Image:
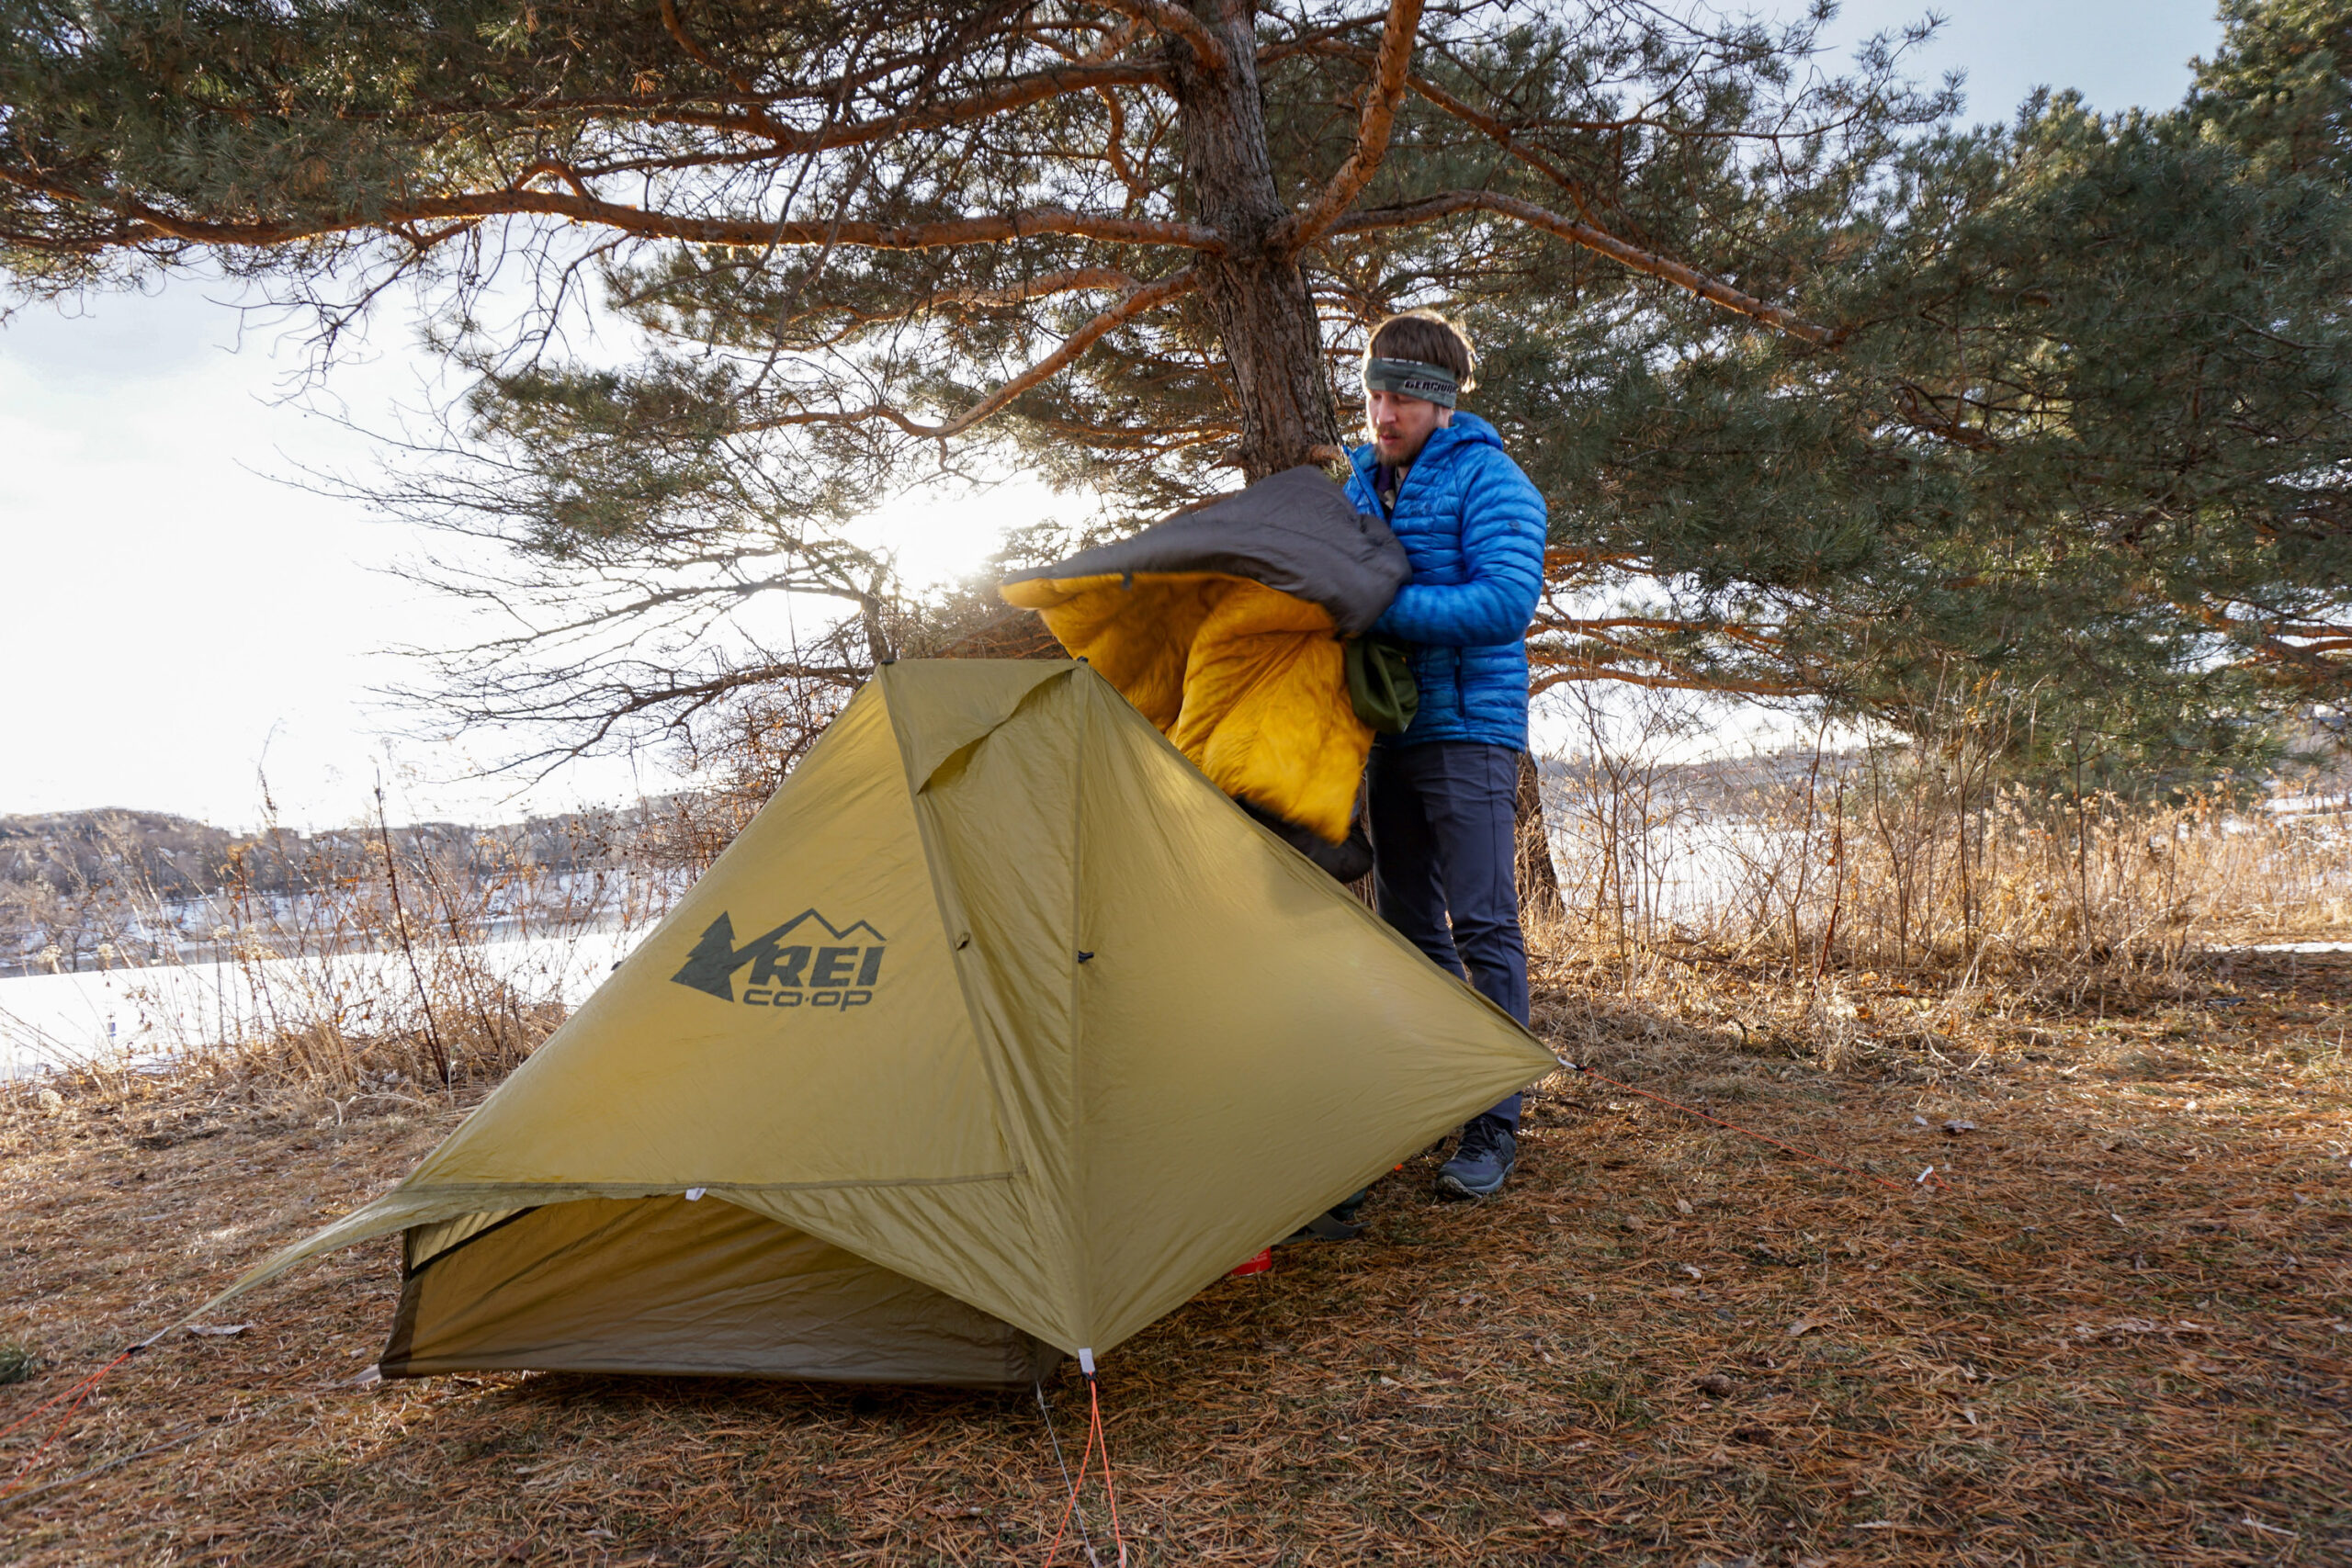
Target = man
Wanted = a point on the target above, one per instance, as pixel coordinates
(1440, 810)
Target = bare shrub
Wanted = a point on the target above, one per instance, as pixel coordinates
(379, 966)
(1702, 885)
(1881, 854)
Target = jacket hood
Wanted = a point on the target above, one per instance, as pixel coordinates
(1467, 429)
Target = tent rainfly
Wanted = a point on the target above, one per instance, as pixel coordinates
(999, 1033)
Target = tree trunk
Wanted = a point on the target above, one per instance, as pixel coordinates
(1259, 299)
(1538, 879)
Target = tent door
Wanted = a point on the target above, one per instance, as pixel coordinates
(663, 1285)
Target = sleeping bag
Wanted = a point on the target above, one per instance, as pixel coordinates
(1228, 626)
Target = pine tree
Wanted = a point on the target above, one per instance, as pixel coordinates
(1832, 403)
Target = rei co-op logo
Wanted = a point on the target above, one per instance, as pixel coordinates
(786, 973)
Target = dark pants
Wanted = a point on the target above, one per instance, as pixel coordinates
(1444, 843)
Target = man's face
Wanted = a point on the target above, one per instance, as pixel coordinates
(1400, 425)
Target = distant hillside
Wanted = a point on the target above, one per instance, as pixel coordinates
(177, 857)
(149, 854)
(1717, 784)
(114, 885)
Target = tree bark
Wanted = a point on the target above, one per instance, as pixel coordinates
(1538, 879)
(1255, 292)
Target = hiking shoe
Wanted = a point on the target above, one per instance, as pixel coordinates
(1335, 1224)
(1482, 1162)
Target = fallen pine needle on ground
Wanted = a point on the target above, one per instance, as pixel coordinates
(2113, 1326)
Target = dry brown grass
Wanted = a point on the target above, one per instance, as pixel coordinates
(1920, 859)
(379, 962)
(2115, 1332)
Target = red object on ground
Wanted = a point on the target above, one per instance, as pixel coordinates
(1261, 1264)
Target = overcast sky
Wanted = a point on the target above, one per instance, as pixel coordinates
(179, 622)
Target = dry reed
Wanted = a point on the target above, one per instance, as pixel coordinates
(2110, 1327)
(1917, 862)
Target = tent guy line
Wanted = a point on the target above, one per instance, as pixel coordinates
(1045, 1412)
(1097, 1442)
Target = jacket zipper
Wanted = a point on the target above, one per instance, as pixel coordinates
(1388, 513)
(1400, 488)
(1372, 483)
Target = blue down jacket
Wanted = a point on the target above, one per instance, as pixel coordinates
(1472, 526)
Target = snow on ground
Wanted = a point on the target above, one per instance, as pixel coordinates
(147, 1014)
(2294, 947)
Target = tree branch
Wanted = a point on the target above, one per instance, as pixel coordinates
(1711, 290)
(1143, 297)
(1177, 22)
(1325, 42)
(2310, 657)
(144, 223)
(676, 26)
(1921, 411)
(1078, 343)
(1019, 93)
(1557, 668)
(1501, 134)
(1068, 280)
(1374, 127)
(595, 709)
(1046, 285)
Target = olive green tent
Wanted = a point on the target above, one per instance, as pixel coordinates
(999, 1033)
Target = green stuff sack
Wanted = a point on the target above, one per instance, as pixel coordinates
(1380, 684)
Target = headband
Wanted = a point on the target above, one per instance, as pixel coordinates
(1412, 379)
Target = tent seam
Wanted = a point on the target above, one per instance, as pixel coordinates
(1074, 1012)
